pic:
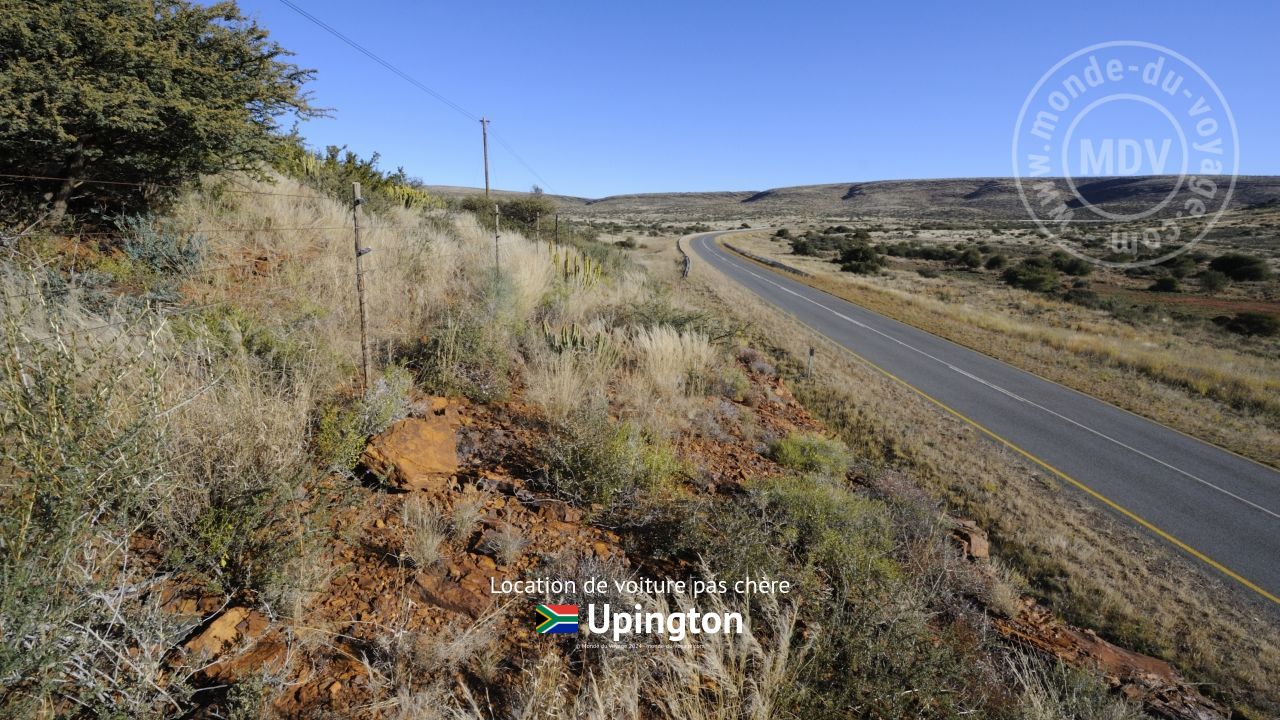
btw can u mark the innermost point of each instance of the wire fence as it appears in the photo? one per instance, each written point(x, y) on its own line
point(271, 268)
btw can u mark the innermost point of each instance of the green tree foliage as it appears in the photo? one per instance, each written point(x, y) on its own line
point(1251, 323)
point(520, 212)
point(1238, 266)
point(862, 259)
point(1168, 284)
point(1034, 273)
point(1070, 265)
point(135, 91)
point(1213, 281)
point(970, 258)
point(333, 170)
point(1180, 266)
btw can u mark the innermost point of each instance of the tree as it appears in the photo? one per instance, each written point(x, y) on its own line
point(1238, 266)
point(137, 91)
point(861, 259)
point(1034, 273)
point(1213, 281)
point(1251, 323)
point(970, 258)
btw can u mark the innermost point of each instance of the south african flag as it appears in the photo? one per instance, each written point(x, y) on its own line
point(558, 619)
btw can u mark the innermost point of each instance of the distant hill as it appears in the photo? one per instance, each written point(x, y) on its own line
point(984, 199)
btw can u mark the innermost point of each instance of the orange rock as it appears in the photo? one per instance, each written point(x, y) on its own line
point(972, 539)
point(444, 593)
point(221, 633)
point(414, 454)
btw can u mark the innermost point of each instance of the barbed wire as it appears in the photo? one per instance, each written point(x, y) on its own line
point(480, 250)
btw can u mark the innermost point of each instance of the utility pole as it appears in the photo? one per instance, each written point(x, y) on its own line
point(484, 134)
point(537, 227)
point(364, 316)
point(557, 228)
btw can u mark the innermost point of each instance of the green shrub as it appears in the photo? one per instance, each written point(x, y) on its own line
point(1034, 273)
point(466, 354)
point(159, 92)
point(1213, 281)
point(1069, 264)
point(928, 272)
point(593, 460)
point(1180, 266)
point(811, 453)
point(338, 439)
point(1240, 267)
point(1251, 323)
point(1167, 284)
point(341, 430)
point(970, 258)
point(861, 258)
point(997, 262)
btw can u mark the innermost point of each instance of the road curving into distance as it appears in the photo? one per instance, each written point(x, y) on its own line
point(1216, 506)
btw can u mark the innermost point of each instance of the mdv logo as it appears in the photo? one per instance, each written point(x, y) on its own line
point(1123, 156)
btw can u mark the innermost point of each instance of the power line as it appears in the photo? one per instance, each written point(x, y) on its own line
point(374, 57)
point(514, 154)
point(412, 81)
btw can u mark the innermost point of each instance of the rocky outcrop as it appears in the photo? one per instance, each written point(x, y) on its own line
point(1154, 683)
point(416, 453)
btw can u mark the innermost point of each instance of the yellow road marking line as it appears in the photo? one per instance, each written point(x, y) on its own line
point(1044, 464)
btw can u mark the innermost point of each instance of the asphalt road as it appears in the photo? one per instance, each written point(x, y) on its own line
point(1211, 504)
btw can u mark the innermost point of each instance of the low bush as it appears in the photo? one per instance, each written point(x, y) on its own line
point(590, 459)
point(1084, 297)
point(1070, 264)
point(1166, 284)
point(1034, 273)
point(861, 258)
point(811, 453)
point(466, 354)
point(970, 258)
point(1241, 267)
point(1212, 281)
point(1251, 323)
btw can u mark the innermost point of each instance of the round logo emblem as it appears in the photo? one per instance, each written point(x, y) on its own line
point(1125, 153)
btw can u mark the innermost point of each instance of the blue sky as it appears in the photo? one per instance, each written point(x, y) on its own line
point(603, 98)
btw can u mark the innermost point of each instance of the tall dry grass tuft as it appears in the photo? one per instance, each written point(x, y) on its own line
point(668, 357)
point(425, 531)
point(556, 385)
point(719, 676)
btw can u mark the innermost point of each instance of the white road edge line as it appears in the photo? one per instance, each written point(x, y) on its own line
point(736, 263)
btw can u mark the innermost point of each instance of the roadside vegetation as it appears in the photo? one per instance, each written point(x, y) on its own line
point(190, 525)
point(1191, 343)
point(1049, 544)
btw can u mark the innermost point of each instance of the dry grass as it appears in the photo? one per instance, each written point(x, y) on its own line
point(466, 514)
point(668, 357)
point(556, 385)
point(1096, 572)
point(1222, 394)
point(425, 531)
point(507, 543)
